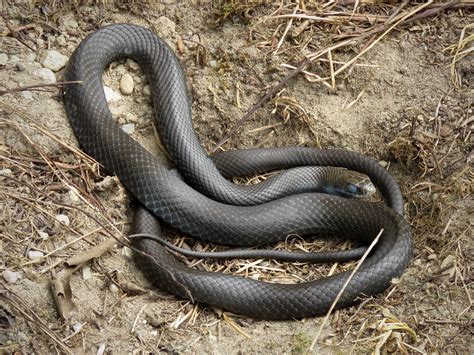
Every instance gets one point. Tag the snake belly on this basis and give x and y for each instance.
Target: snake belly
(196, 199)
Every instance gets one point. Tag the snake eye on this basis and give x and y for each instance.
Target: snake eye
(353, 189)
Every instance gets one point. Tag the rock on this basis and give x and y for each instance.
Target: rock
(3, 58)
(20, 66)
(129, 128)
(146, 90)
(127, 252)
(126, 84)
(121, 69)
(86, 272)
(111, 95)
(53, 60)
(39, 42)
(61, 41)
(46, 75)
(113, 288)
(11, 276)
(132, 64)
(63, 219)
(43, 235)
(77, 327)
(27, 95)
(14, 59)
(35, 254)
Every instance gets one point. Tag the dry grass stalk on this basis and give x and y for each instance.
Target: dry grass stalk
(318, 334)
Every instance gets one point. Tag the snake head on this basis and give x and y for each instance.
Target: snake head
(349, 183)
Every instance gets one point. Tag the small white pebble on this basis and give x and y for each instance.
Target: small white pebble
(77, 327)
(62, 218)
(129, 128)
(35, 254)
(86, 272)
(383, 163)
(111, 95)
(132, 64)
(255, 276)
(43, 235)
(113, 288)
(53, 60)
(11, 276)
(126, 84)
(127, 252)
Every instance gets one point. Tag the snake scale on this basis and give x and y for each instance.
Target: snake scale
(194, 197)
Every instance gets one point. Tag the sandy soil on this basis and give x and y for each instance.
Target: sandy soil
(399, 104)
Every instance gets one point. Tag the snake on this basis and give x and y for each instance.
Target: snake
(194, 195)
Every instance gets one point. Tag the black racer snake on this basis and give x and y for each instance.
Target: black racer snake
(198, 200)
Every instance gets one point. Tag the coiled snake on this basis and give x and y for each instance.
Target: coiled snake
(196, 199)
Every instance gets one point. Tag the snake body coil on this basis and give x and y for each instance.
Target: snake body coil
(199, 201)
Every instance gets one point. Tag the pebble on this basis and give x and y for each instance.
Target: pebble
(113, 288)
(121, 69)
(111, 95)
(128, 128)
(383, 163)
(11, 276)
(126, 84)
(43, 235)
(14, 59)
(86, 272)
(53, 60)
(27, 95)
(61, 41)
(62, 218)
(132, 64)
(46, 74)
(35, 254)
(3, 58)
(20, 66)
(127, 252)
(146, 90)
(77, 327)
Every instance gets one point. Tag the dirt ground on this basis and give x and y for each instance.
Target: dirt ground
(402, 102)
